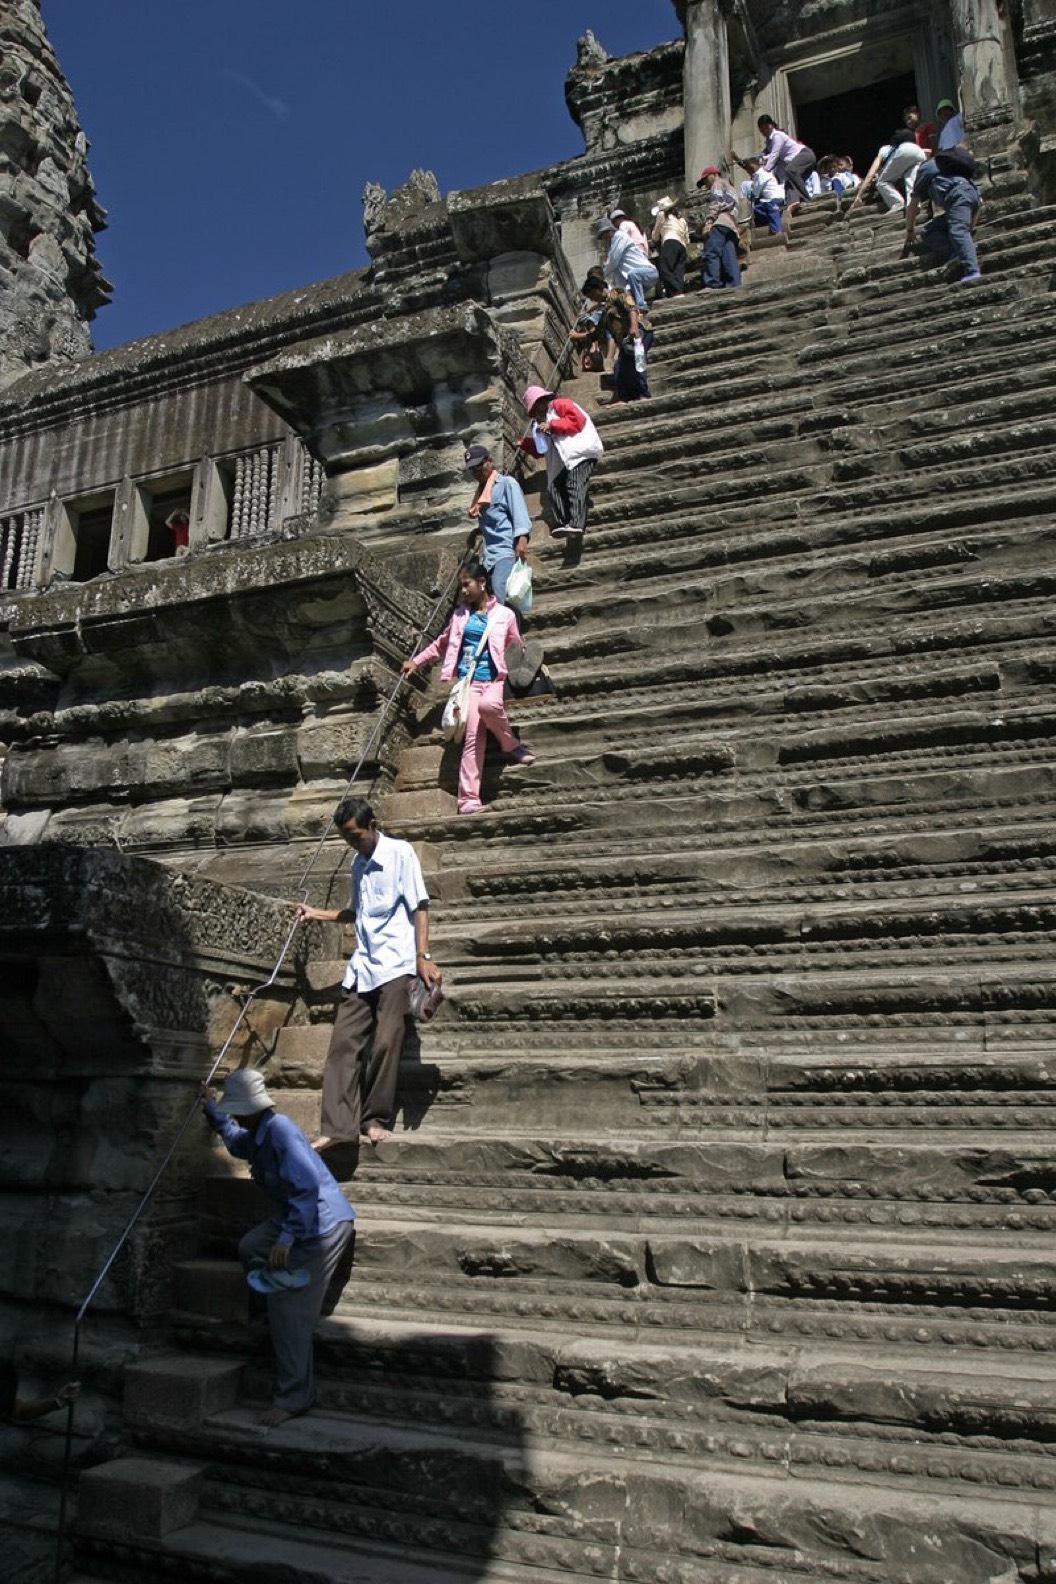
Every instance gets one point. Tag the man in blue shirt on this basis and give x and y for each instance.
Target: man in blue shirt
(389, 906)
(499, 510)
(949, 235)
(296, 1254)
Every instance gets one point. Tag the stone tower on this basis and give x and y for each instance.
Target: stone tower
(50, 280)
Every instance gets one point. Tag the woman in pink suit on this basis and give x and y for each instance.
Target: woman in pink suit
(479, 612)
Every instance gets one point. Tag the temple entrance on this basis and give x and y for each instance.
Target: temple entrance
(856, 122)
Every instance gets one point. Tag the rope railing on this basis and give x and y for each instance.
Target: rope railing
(248, 999)
(301, 887)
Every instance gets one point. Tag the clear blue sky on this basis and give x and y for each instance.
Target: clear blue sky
(231, 139)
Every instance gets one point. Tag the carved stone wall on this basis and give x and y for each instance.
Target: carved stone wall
(117, 980)
(218, 704)
(50, 280)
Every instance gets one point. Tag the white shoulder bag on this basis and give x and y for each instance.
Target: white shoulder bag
(456, 710)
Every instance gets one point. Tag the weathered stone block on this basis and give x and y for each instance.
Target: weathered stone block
(212, 1287)
(179, 1392)
(138, 1496)
(263, 754)
(365, 491)
(684, 1262)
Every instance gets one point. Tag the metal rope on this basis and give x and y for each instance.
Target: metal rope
(148, 1194)
(86, 1303)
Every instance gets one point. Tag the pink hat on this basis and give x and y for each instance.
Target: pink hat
(532, 395)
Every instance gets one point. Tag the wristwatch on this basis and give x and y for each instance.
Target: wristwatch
(426, 956)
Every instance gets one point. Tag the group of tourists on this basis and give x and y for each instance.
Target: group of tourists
(301, 1255)
(780, 177)
(929, 162)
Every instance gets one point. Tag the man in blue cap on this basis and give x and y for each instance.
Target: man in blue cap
(295, 1256)
(500, 512)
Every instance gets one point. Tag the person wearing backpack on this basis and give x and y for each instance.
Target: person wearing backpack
(946, 180)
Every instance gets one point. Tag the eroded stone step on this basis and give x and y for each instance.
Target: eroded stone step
(795, 1528)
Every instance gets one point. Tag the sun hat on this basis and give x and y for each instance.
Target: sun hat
(532, 395)
(245, 1093)
(661, 204)
(263, 1280)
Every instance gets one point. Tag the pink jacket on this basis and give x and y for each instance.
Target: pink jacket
(502, 631)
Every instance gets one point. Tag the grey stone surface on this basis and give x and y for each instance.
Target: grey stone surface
(138, 1497)
(49, 214)
(713, 1241)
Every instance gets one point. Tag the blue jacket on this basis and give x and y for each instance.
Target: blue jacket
(284, 1164)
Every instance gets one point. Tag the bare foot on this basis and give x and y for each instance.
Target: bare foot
(378, 1134)
(274, 1417)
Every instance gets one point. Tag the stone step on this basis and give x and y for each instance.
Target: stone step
(616, 607)
(918, 1078)
(720, 1406)
(996, 1183)
(699, 547)
(376, 1552)
(845, 333)
(512, 1511)
(813, 489)
(765, 434)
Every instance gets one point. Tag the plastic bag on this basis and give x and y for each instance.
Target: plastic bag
(519, 588)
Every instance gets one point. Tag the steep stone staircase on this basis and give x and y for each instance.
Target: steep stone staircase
(717, 1241)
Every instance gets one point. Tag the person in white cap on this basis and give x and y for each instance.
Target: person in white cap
(296, 1255)
(671, 235)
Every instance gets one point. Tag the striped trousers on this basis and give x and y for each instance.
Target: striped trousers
(568, 494)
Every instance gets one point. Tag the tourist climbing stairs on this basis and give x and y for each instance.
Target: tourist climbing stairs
(715, 1242)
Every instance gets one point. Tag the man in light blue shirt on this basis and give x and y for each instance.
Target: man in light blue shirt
(951, 124)
(390, 908)
(625, 264)
(500, 512)
(297, 1254)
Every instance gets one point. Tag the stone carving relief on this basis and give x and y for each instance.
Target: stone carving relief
(589, 52)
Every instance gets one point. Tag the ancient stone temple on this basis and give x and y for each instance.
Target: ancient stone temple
(714, 1244)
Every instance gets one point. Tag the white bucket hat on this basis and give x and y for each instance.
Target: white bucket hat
(245, 1093)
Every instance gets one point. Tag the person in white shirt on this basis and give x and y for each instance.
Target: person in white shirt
(845, 180)
(389, 906)
(671, 235)
(766, 193)
(788, 161)
(627, 265)
(894, 170)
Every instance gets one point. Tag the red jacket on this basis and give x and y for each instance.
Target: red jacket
(502, 631)
(568, 419)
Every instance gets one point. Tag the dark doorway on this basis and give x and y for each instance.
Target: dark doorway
(858, 122)
(161, 541)
(92, 532)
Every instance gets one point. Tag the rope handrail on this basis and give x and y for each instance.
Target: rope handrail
(301, 887)
(248, 999)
